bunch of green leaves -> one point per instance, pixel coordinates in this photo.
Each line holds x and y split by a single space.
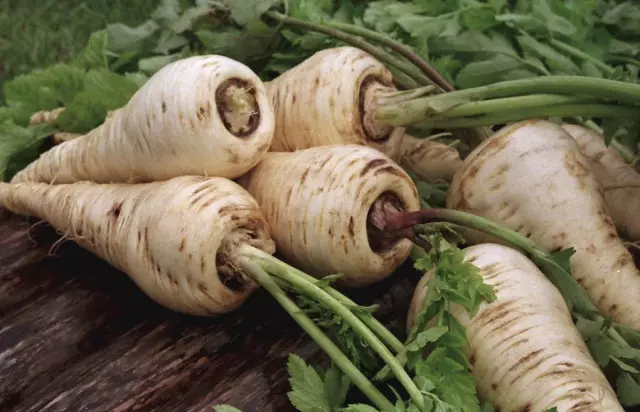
475 43
350 342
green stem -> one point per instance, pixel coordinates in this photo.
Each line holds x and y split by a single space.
282 271
417 110
623 59
508 116
274 265
578 54
355 41
403 81
338 357
398 47
509 104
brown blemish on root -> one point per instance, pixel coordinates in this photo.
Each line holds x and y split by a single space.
389 169
238 107
164 107
525 359
304 177
386 205
370 165
182 244
352 224
115 210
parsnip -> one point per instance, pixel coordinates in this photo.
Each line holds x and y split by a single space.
428 159
331 98
176 239
525 351
619 180
203 115
532 178
324 203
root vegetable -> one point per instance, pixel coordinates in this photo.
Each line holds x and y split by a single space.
619 180
203 115
532 178
176 239
324 204
428 159
525 351
330 99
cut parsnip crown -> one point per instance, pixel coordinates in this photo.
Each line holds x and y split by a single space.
619 180
428 159
203 115
331 98
532 177
176 239
525 351
323 205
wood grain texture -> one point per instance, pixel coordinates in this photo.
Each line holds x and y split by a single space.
76 334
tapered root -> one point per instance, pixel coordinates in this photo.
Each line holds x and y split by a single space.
179 240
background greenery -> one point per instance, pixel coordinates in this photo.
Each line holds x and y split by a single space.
38 33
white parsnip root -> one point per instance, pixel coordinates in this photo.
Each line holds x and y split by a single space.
525 351
619 180
204 115
177 239
330 98
323 205
532 177
428 159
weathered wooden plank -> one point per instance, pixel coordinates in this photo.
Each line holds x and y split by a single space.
76 334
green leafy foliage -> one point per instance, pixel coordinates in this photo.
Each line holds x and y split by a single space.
225 408
315 390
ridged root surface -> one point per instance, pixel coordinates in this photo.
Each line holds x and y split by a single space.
620 180
204 115
175 239
331 98
319 201
532 177
525 351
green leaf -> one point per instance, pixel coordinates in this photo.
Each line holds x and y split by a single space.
94 55
167 13
124 38
246 11
553 58
225 408
45 89
336 386
151 65
555 23
427 336
103 91
19 146
486 72
482 17
306 383
628 390
359 407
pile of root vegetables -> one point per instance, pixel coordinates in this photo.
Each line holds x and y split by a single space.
210 184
